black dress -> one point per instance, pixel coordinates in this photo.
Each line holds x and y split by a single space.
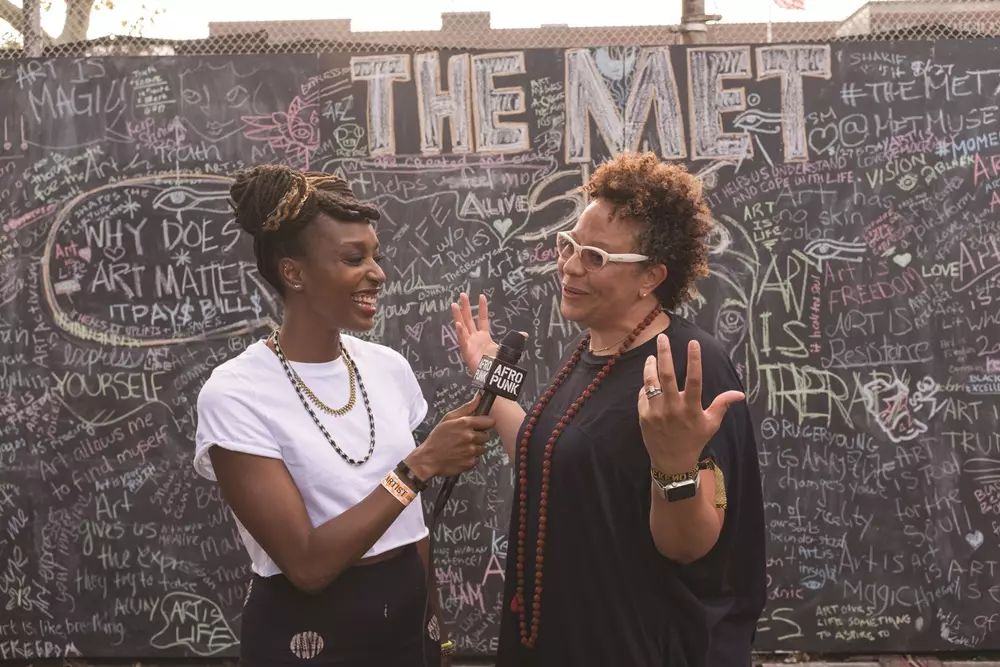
608 596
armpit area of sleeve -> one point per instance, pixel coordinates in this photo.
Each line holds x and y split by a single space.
203 462
418 410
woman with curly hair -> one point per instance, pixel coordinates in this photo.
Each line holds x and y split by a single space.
637 528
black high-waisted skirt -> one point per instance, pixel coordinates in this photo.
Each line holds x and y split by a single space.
371 615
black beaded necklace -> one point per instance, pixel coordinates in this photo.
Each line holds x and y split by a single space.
364 395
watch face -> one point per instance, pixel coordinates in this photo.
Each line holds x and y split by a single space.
682 491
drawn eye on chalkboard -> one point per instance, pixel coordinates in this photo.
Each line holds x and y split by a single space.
823 250
237 96
765 122
180 198
731 323
193 97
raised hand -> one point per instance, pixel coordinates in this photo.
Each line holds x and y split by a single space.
674 425
473 334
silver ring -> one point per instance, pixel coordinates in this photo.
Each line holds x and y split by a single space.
652 391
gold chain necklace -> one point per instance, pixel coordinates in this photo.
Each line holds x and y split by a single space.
603 349
336 412
329 438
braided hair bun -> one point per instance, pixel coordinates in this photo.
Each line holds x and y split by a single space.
268 196
274 204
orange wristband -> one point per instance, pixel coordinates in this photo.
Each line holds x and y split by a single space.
394 485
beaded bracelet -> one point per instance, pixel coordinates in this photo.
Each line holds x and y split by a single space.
400 491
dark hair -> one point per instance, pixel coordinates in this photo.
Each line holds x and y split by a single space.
275 204
675 221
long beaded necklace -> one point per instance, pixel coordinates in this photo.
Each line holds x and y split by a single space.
517 604
364 395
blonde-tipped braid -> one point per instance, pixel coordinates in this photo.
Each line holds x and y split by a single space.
291 203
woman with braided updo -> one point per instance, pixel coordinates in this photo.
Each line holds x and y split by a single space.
637 532
309 435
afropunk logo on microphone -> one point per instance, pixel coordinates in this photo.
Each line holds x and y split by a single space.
499 377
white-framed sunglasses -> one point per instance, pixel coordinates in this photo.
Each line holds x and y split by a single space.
591 258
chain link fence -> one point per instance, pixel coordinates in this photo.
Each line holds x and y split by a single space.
875 20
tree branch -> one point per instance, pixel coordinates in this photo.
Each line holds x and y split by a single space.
13 15
77 23
75 26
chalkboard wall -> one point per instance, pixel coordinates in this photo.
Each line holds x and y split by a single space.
855 281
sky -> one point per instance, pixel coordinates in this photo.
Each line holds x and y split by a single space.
189 18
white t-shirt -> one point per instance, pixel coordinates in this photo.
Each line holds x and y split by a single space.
249 405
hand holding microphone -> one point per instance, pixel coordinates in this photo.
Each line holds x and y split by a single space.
454 445
494 376
459 439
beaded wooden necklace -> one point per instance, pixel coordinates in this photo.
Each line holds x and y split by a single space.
517 604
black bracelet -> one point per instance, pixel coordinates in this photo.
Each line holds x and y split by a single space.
418 484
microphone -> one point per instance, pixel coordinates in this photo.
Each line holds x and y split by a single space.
500 376
495 376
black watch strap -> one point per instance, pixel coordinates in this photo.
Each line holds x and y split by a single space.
407 473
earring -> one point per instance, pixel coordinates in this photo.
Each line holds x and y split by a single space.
298 287
642 295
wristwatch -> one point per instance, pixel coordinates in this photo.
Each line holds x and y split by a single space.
407 473
673 489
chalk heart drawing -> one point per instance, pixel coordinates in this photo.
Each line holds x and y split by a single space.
153 261
503 226
903 260
975 539
822 139
415 331
114 253
194 622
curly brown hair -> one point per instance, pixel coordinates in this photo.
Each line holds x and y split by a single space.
675 221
